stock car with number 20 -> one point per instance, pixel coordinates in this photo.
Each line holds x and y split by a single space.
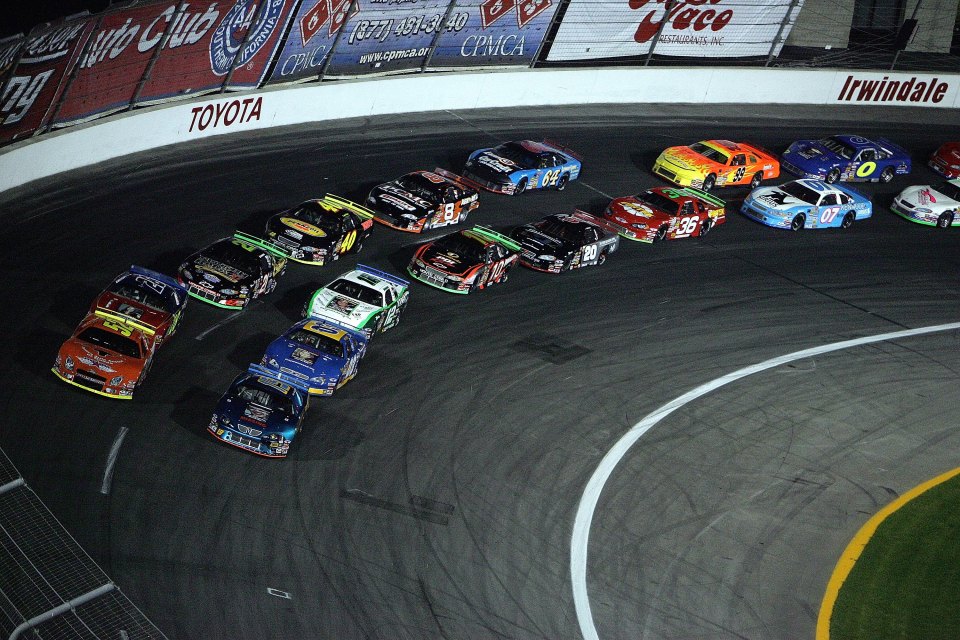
365 299
562 242
232 271
932 205
321 230
806 204
324 356
261 412
423 200
465 261
522 165
719 163
846 158
665 212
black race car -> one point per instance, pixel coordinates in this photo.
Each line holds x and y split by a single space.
562 242
423 200
319 231
232 271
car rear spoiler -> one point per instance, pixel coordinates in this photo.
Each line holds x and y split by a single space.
268 246
453 177
383 275
490 234
293 381
560 147
760 149
349 205
125 320
155 275
892 146
580 214
693 192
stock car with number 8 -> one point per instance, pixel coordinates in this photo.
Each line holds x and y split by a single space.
321 230
719 163
806 204
324 356
365 299
261 412
465 261
232 271
561 242
522 165
423 200
665 212
846 158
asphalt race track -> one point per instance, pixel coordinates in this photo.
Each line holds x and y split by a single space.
434 496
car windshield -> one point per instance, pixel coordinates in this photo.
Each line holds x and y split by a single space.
801 192
255 393
515 151
710 153
231 253
657 201
357 291
322 343
316 215
467 249
950 190
839 148
134 287
419 185
108 340
566 231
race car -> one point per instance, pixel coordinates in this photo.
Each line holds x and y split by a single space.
522 165
846 158
561 242
320 231
232 271
108 354
364 299
147 298
665 212
719 163
261 412
937 205
946 160
806 204
465 261
423 200
322 355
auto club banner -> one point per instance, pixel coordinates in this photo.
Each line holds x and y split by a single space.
593 29
311 37
32 90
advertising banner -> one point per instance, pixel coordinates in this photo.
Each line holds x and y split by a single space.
34 87
593 29
313 33
493 33
9 50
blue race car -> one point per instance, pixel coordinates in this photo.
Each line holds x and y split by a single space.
847 158
324 356
806 204
522 165
261 412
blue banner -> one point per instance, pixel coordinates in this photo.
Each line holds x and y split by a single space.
315 29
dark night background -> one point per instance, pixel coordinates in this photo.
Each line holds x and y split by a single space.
23 15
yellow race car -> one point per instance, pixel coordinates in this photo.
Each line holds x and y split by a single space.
717 163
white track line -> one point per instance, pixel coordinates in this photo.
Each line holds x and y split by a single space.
591 494
112 460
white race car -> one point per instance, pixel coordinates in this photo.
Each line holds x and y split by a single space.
937 205
365 299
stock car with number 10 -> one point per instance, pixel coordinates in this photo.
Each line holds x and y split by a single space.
365 299
465 261
321 230
665 212
423 200
561 242
719 163
806 204
935 206
232 271
522 165
846 158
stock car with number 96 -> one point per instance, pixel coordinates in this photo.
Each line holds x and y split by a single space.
806 204
522 165
423 200
465 261
321 230
561 242
665 212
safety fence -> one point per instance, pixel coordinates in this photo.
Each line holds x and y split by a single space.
149 51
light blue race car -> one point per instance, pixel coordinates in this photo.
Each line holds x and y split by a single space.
806 204
522 165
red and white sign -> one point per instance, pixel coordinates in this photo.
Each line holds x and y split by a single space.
905 89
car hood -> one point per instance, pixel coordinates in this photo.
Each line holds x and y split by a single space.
297 230
926 196
812 151
95 358
535 240
490 164
630 210
298 358
341 308
393 199
254 419
446 261
774 198
213 271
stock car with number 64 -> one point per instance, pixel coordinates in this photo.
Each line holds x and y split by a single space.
522 165
806 204
561 242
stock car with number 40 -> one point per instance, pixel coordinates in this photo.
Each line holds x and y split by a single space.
365 299
806 204
522 165
321 230
465 261
846 158
232 271
561 242
423 200
719 163
261 412
324 356
936 206
665 212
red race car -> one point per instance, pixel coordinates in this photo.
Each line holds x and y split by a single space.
665 212
946 160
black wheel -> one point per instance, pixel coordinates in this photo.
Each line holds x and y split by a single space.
562 183
602 258
798 222
833 176
705 227
521 186
709 181
661 234
886 175
757 179
847 221
357 245
945 220
270 286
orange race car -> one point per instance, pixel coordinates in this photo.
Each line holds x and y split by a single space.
717 163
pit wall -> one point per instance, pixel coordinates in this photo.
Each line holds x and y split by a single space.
118 136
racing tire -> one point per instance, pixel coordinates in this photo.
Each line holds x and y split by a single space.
601 258
704 227
756 180
945 221
270 287
661 234
832 176
709 182
798 221
562 183
521 186
848 219
357 246
886 175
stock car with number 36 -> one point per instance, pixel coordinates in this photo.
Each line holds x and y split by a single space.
365 299
562 242
936 206
806 204
324 356
321 230
522 165
665 212
232 271
465 261
846 158
423 200
719 163
261 412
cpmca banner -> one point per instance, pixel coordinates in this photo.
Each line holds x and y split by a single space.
313 33
593 29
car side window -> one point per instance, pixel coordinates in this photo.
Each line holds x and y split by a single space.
844 198
829 199
867 155
590 234
265 263
349 223
687 208
738 160
452 194
388 296
543 162
753 159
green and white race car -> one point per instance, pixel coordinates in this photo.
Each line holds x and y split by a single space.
365 299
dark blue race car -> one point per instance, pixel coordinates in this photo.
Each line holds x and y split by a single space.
847 158
322 355
261 412
522 165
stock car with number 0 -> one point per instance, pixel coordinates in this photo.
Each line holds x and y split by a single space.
719 163
522 165
324 356
562 242
806 204
423 200
936 206
365 299
321 230
846 158
261 412
946 160
232 271
465 261
665 212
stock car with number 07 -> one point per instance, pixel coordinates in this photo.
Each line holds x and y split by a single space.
846 158
321 230
423 200
465 261
522 165
665 212
806 204
562 242
365 299
232 271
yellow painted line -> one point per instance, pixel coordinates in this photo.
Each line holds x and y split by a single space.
852 553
